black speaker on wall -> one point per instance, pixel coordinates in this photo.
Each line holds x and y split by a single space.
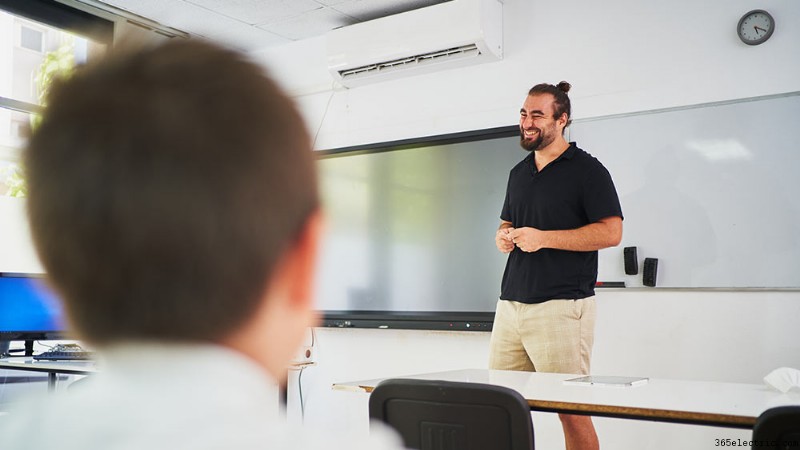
631 261
650 272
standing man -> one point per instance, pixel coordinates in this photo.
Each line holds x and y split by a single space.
561 207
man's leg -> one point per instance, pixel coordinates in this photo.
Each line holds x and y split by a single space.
558 337
579 432
506 351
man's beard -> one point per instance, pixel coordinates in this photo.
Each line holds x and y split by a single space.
533 145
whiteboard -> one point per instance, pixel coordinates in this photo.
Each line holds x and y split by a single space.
712 191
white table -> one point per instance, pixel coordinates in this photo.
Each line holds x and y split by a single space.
731 405
52 368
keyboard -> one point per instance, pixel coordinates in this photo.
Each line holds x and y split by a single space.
65 352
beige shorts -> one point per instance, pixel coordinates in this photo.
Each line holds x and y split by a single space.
554 336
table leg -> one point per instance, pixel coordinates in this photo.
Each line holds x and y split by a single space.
52 377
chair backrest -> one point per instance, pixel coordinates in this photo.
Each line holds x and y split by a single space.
778 428
446 415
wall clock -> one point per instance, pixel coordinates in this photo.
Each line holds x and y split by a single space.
755 27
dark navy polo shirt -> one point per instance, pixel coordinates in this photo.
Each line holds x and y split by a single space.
570 192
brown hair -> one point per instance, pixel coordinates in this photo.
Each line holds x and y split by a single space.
561 103
164 185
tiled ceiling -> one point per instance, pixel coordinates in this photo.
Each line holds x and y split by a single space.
257 24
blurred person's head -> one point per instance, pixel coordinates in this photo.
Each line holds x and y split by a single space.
173 197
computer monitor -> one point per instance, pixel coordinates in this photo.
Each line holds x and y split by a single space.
29 310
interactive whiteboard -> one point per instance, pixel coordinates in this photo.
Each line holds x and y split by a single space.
712 191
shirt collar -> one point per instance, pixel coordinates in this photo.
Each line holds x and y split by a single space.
570 151
144 362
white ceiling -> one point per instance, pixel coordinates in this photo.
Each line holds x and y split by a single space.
257 24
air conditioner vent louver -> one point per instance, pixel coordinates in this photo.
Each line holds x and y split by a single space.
444 36
464 51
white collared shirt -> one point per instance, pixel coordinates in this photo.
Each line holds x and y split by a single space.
157 396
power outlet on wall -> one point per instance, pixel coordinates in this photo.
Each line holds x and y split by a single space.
306 353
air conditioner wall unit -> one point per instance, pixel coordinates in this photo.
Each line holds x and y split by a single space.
442 36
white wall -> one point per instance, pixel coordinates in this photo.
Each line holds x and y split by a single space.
16 250
620 56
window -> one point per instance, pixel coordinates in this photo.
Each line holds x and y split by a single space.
31 39
48 43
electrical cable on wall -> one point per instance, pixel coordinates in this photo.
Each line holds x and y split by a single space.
324 115
300 377
300 389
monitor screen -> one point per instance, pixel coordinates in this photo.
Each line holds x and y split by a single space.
410 233
28 308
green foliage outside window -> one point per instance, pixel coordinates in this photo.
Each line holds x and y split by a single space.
14 181
59 63
56 64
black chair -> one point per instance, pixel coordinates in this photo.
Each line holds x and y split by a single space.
778 428
446 415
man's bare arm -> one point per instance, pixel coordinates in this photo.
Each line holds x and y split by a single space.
604 233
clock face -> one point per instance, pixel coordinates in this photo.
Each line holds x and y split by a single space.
756 27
